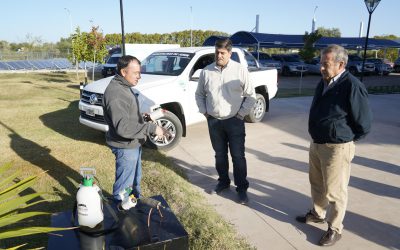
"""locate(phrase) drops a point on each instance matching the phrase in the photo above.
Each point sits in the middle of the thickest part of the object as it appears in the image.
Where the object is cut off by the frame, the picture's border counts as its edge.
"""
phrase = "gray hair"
(340, 53)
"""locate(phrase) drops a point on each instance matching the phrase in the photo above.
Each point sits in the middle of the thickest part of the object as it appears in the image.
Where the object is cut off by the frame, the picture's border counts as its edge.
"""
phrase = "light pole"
(121, 10)
(70, 22)
(191, 24)
(72, 40)
(313, 21)
(371, 6)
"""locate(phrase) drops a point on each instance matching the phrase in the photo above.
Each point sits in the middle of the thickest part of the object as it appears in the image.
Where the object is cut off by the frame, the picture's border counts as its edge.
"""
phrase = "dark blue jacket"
(342, 114)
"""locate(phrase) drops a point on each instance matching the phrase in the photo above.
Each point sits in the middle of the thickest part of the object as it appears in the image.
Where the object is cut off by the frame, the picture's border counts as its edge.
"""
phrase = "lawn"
(40, 131)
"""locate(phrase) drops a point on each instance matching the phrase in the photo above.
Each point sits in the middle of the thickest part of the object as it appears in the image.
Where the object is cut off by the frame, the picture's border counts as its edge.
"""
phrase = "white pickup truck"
(167, 87)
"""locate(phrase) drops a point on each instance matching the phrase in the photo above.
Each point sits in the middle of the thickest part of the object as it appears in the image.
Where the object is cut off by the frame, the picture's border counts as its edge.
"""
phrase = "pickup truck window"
(166, 63)
(235, 57)
(203, 62)
(251, 60)
(113, 60)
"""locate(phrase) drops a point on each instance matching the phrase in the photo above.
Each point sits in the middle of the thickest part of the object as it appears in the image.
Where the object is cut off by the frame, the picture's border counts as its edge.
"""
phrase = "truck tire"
(171, 123)
(257, 112)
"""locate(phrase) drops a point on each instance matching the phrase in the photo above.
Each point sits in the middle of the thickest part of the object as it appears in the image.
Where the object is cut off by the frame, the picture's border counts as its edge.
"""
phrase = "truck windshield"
(166, 63)
(113, 59)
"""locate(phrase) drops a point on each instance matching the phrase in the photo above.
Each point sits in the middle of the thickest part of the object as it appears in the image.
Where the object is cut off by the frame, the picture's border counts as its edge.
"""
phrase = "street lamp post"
(121, 10)
(191, 24)
(313, 21)
(371, 6)
(70, 22)
(72, 41)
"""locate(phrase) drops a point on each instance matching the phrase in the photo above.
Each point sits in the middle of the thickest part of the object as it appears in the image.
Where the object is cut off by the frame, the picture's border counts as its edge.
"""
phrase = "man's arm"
(200, 94)
(360, 112)
(248, 94)
(124, 126)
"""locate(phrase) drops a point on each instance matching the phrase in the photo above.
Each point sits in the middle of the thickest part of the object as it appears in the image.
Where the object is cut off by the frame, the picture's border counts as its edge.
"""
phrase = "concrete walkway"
(277, 156)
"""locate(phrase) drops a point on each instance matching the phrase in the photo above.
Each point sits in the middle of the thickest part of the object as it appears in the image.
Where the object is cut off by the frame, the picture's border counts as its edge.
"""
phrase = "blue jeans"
(128, 170)
(224, 134)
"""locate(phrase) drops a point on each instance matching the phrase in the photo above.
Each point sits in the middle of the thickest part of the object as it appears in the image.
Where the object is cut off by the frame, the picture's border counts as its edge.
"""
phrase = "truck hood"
(147, 81)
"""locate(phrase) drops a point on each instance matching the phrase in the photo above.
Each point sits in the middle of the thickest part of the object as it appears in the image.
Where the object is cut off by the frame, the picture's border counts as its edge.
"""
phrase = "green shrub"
(12, 204)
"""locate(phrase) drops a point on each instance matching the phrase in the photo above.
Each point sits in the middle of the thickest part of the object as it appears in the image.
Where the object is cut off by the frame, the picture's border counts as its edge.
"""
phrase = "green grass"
(392, 89)
(39, 131)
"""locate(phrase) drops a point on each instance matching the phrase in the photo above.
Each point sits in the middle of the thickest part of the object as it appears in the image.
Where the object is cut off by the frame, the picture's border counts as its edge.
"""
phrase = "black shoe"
(310, 217)
(243, 199)
(219, 188)
(329, 238)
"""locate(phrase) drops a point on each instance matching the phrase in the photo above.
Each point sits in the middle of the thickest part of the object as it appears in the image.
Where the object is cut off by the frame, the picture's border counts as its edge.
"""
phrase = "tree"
(4, 45)
(79, 48)
(97, 49)
(65, 46)
(391, 53)
(332, 32)
(112, 39)
(180, 37)
(308, 52)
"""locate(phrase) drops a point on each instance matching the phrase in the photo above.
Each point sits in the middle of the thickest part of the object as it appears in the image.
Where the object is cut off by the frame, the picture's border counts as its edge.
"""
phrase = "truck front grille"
(92, 98)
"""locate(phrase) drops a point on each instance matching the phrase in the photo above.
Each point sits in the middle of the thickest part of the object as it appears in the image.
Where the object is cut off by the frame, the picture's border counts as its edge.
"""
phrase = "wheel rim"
(170, 127)
(259, 109)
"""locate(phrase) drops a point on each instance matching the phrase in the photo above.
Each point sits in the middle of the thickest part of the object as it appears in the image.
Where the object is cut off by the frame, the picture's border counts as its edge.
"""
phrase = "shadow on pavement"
(284, 204)
(356, 182)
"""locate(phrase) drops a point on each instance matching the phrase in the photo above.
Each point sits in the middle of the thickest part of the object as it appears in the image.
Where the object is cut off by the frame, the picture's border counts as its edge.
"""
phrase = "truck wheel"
(171, 123)
(258, 110)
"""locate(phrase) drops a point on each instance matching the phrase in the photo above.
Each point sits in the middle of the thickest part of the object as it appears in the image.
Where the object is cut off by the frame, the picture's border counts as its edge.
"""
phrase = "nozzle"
(150, 202)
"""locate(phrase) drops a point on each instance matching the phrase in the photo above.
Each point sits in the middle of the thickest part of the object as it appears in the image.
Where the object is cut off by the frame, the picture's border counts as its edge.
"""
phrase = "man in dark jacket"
(127, 129)
(339, 116)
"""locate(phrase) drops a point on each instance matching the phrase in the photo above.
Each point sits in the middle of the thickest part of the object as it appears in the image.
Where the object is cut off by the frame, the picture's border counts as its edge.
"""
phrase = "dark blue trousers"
(229, 134)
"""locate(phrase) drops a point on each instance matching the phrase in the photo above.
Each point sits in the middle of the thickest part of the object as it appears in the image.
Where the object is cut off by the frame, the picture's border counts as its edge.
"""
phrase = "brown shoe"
(310, 217)
(329, 238)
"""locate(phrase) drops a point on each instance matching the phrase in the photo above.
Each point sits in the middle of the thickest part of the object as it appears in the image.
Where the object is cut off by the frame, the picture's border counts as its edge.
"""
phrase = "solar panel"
(39, 64)
(16, 65)
(4, 66)
(50, 64)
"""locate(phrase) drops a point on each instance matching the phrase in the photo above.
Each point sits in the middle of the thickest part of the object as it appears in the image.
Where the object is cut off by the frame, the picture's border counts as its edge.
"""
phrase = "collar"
(224, 67)
(122, 80)
(335, 78)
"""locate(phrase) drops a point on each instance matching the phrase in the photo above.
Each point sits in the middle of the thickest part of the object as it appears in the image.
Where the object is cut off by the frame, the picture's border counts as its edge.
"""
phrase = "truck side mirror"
(196, 75)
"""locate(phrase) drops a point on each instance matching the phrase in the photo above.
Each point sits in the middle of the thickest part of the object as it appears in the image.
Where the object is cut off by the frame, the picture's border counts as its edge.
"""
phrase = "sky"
(50, 20)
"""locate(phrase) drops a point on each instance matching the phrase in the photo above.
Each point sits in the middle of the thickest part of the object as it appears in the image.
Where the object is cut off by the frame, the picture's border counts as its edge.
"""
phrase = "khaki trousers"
(329, 176)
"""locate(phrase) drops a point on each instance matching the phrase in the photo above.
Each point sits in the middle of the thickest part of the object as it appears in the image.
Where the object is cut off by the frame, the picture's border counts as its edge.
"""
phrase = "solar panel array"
(44, 64)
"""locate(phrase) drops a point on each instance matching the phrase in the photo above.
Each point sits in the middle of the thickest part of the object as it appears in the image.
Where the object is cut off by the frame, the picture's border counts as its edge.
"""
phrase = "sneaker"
(310, 217)
(329, 238)
(219, 188)
(243, 199)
